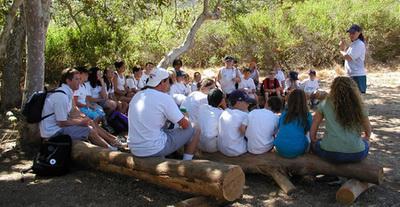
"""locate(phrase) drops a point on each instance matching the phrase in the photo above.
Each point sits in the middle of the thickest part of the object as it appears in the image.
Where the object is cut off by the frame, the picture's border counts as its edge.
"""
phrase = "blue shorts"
(340, 157)
(361, 82)
(93, 114)
(75, 132)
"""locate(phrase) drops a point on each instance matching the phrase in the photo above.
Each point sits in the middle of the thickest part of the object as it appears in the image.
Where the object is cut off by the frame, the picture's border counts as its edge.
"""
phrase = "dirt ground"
(91, 188)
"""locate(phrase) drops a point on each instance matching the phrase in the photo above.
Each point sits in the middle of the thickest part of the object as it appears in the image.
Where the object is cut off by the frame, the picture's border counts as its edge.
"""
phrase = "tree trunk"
(34, 77)
(12, 70)
(308, 164)
(203, 177)
(189, 40)
(8, 26)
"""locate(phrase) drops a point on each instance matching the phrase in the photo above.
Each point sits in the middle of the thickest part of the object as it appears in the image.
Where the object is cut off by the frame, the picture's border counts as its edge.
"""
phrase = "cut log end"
(350, 190)
(235, 179)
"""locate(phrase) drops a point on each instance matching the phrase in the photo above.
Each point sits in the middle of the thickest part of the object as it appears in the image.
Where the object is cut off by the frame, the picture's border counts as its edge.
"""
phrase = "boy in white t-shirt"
(231, 141)
(208, 120)
(247, 85)
(135, 83)
(261, 126)
(311, 86)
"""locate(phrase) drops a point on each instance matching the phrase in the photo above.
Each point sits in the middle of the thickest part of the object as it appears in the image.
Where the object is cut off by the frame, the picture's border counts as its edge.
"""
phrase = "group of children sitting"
(234, 111)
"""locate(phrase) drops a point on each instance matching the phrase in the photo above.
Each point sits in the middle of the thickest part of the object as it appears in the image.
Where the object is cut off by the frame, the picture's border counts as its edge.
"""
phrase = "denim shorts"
(361, 82)
(340, 157)
(75, 132)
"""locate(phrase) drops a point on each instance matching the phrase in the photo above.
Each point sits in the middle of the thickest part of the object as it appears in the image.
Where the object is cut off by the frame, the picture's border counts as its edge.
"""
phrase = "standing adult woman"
(354, 57)
(347, 125)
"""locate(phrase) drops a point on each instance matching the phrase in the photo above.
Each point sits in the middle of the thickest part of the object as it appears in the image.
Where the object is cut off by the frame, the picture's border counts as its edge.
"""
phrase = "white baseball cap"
(156, 76)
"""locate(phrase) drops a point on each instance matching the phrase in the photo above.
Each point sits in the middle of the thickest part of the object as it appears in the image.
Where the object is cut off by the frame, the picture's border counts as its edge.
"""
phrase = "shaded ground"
(91, 188)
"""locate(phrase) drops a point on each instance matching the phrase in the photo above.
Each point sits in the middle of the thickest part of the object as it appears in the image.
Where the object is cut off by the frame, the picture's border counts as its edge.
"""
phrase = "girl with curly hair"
(347, 125)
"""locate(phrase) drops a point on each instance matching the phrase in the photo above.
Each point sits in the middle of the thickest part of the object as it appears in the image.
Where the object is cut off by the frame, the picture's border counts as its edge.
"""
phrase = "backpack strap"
(52, 91)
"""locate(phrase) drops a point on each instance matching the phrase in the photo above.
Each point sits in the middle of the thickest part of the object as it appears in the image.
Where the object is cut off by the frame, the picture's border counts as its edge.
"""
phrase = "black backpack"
(54, 156)
(33, 108)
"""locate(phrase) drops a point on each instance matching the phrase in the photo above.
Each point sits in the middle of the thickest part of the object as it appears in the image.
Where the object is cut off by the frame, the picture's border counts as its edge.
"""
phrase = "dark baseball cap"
(313, 72)
(180, 73)
(239, 95)
(229, 58)
(354, 28)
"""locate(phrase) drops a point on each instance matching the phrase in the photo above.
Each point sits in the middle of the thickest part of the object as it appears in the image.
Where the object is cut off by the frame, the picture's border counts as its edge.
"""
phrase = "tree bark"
(12, 70)
(8, 26)
(203, 177)
(307, 164)
(34, 18)
(189, 40)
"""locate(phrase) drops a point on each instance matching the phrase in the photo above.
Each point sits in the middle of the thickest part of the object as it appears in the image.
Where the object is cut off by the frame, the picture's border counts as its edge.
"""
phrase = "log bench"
(221, 181)
(277, 167)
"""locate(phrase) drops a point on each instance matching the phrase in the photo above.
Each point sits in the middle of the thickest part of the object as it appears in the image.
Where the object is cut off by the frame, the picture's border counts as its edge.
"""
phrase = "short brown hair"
(68, 73)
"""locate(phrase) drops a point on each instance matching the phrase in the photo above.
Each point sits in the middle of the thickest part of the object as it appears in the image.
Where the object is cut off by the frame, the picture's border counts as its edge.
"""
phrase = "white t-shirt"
(93, 92)
(192, 104)
(261, 126)
(280, 76)
(148, 112)
(144, 78)
(248, 85)
(178, 92)
(230, 141)
(121, 82)
(208, 123)
(133, 83)
(59, 104)
(193, 86)
(356, 51)
(81, 93)
(226, 82)
(309, 86)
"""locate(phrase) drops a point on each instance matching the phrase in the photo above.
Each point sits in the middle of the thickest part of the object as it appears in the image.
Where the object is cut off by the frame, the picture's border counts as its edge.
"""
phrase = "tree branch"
(189, 40)
(71, 13)
(8, 26)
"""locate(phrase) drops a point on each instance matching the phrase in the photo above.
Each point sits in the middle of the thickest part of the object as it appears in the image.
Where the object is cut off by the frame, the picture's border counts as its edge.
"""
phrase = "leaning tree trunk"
(188, 42)
(11, 90)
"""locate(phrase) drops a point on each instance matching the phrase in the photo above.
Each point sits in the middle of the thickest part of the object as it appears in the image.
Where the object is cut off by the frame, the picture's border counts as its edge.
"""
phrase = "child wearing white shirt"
(261, 126)
(208, 120)
(231, 141)
(311, 86)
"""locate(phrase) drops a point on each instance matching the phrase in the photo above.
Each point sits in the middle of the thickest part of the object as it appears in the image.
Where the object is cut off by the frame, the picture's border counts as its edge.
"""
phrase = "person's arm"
(103, 92)
(346, 56)
(242, 129)
(367, 128)
(318, 117)
(77, 103)
(184, 123)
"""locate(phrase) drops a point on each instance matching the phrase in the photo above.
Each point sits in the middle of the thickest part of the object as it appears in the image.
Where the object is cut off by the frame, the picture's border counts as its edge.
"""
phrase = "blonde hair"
(347, 103)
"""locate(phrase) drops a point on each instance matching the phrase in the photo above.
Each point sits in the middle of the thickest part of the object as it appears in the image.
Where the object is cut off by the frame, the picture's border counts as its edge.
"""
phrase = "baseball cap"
(180, 73)
(238, 95)
(354, 28)
(229, 58)
(313, 72)
(156, 76)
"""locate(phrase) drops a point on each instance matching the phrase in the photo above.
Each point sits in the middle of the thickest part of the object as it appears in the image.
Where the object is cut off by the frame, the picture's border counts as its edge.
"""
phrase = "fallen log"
(308, 164)
(350, 191)
(202, 177)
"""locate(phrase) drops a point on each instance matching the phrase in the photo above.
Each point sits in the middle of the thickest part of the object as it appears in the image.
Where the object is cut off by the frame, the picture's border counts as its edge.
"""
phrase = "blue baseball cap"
(354, 28)
(238, 95)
